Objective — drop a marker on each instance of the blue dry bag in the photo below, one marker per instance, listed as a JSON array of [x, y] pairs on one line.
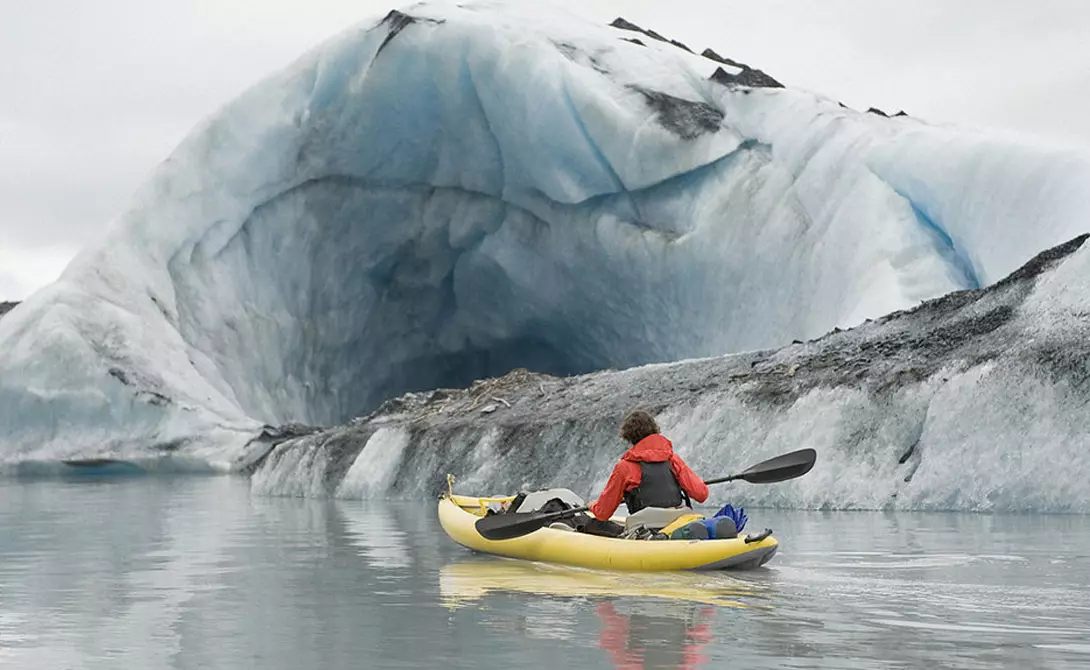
[[738, 516]]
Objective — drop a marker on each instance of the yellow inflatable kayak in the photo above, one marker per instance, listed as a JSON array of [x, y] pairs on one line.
[[458, 514]]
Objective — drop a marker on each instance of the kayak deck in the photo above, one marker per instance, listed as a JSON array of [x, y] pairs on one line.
[[458, 514]]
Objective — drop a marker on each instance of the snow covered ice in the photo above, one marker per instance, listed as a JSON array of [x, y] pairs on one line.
[[446, 193]]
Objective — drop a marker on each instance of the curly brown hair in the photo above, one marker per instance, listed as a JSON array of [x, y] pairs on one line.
[[638, 425]]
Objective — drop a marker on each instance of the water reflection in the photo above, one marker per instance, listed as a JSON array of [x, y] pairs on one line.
[[377, 533], [646, 620], [463, 582], [667, 635]]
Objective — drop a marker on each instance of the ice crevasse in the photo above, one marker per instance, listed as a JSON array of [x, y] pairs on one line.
[[444, 193]]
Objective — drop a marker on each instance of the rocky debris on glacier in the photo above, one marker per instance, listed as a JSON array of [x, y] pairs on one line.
[[553, 431], [747, 76]]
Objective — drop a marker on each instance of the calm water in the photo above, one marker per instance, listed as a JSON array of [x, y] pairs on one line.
[[197, 573]]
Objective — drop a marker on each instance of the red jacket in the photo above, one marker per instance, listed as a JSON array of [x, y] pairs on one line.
[[627, 474]]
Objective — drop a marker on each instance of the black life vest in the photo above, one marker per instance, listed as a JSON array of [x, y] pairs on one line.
[[658, 488]]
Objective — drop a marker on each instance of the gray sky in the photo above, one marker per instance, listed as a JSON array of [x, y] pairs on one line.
[[97, 93]]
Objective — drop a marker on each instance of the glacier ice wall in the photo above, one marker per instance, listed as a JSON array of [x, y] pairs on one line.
[[449, 192], [974, 401]]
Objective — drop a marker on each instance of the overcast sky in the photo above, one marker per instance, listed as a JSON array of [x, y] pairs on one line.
[[95, 93]]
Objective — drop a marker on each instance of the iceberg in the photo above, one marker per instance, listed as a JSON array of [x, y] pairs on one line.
[[447, 193]]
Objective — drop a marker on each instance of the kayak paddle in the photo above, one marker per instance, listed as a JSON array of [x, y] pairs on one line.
[[781, 468], [508, 526]]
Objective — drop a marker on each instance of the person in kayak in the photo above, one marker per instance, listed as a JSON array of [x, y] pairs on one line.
[[649, 474]]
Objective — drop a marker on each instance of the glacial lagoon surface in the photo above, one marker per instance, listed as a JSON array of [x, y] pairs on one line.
[[196, 572]]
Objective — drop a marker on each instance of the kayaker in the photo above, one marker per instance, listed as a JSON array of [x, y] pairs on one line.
[[649, 474]]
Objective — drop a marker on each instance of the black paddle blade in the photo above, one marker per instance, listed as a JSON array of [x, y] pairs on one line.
[[510, 526], [781, 468]]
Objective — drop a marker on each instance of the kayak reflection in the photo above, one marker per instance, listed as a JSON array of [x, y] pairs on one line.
[[462, 583], [648, 620]]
